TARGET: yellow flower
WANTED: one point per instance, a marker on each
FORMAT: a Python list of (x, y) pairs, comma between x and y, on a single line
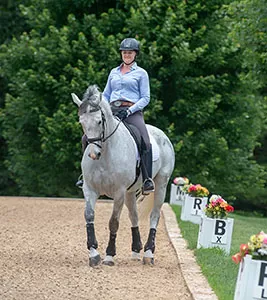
[(258, 245), (250, 246), (261, 237), (205, 191), (253, 238), (223, 204)]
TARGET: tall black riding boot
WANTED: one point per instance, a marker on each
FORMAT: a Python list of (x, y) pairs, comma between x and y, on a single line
[(146, 166)]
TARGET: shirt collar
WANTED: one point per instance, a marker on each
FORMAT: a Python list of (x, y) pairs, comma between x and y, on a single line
[(133, 67)]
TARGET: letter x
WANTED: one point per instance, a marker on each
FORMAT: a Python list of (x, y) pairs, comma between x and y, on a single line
[(219, 239)]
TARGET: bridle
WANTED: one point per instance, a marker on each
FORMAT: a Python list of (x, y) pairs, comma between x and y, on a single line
[(102, 138)]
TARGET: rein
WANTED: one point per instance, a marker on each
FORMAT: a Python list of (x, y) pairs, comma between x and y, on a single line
[(102, 138)]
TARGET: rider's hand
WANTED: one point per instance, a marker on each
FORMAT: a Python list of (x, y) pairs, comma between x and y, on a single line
[(123, 114)]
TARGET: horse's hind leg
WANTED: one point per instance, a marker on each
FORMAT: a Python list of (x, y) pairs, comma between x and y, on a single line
[(159, 196), (130, 202), (113, 228)]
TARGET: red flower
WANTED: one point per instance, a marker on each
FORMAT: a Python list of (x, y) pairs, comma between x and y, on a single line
[(229, 208), (192, 188), (236, 258), (243, 249)]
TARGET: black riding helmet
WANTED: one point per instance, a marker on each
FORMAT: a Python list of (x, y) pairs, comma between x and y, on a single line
[(130, 44)]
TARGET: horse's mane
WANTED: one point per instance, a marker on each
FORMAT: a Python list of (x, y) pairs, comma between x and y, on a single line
[(93, 97), (91, 93)]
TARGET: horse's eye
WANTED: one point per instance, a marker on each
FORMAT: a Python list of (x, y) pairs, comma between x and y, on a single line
[(99, 122)]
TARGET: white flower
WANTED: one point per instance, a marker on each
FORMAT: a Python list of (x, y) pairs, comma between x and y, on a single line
[(214, 198), (179, 181), (262, 251)]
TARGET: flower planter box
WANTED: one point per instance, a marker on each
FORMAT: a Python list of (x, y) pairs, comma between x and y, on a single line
[(251, 281), (215, 233), (177, 195), (192, 208)]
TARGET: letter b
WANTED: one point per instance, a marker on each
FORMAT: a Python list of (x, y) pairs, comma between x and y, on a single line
[(220, 227)]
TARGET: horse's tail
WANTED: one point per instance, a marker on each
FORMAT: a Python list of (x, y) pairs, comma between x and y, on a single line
[(145, 206)]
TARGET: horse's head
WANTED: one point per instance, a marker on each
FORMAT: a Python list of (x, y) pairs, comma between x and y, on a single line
[(92, 119)]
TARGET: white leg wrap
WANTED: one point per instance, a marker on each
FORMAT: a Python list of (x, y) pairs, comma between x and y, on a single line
[(93, 252), (108, 259), (149, 254), (136, 256)]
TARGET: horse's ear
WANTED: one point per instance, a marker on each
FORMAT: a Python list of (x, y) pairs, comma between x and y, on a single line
[(76, 99)]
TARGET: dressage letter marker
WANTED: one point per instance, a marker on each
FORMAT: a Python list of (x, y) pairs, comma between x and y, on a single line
[(251, 280), (192, 208), (260, 291), (176, 195), (215, 233)]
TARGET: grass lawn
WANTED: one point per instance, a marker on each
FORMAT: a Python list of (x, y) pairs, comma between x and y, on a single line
[(218, 267)]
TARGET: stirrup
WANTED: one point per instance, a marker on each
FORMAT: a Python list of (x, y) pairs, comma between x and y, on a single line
[(148, 186), (79, 183)]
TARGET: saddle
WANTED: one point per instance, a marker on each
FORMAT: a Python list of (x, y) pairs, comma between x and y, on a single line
[(135, 133)]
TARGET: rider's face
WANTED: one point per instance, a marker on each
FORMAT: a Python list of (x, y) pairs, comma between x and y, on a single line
[(128, 56)]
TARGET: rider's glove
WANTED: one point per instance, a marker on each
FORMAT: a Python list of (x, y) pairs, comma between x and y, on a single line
[(123, 114)]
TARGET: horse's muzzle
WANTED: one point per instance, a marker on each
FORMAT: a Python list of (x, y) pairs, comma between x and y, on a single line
[(94, 156), (94, 152)]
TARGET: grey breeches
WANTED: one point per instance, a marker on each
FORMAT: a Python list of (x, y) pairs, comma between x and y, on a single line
[(137, 120)]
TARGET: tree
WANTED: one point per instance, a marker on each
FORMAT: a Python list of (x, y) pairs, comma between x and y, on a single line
[(248, 21), (12, 24), (196, 89)]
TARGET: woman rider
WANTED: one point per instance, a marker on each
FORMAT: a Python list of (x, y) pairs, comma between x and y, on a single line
[(128, 92)]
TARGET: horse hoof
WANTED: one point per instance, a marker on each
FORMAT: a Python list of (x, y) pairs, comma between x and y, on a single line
[(148, 260), (94, 261), (108, 261)]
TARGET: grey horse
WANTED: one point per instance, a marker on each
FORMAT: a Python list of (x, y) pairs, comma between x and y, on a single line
[(109, 167)]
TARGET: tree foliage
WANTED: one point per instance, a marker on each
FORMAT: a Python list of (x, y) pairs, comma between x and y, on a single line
[(198, 93), (248, 21)]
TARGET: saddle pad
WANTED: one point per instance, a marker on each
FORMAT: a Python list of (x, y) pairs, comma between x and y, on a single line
[(155, 148)]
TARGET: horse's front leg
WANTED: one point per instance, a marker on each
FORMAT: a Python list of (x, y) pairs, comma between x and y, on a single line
[(89, 214), (130, 202), (113, 228)]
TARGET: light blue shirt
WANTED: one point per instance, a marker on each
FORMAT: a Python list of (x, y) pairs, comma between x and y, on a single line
[(132, 86)]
